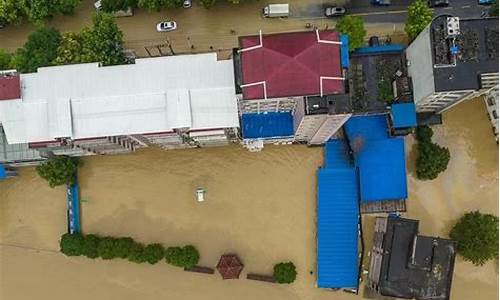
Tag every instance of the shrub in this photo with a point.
(123, 247)
(106, 248)
(424, 134)
(72, 244)
(90, 243)
(153, 253)
(476, 235)
(285, 272)
(185, 257)
(137, 253)
(58, 170)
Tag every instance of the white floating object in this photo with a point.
(200, 194)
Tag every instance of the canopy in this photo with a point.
(229, 266)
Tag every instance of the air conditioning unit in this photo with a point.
(452, 26)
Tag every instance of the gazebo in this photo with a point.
(229, 266)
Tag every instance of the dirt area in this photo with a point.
(218, 27)
(259, 205)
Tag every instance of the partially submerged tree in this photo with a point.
(285, 272)
(354, 27)
(207, 3)
(117, 5)
(419, 16)
(432, 159)
(90, 244)
(5, 60)
(58, 170)
(159, 4)
(11, 11)
(153, 253)
(476, 235)
(72, 244)
(185, 257)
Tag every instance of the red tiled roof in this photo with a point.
(10, 87)
(291, 64)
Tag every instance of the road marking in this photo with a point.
(466, 6)
(381, 13)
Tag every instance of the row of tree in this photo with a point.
(94, 246)
(14, 11)
(432, 159)
(103, 42)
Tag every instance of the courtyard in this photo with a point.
(259, 205)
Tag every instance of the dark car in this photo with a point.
(438, 3)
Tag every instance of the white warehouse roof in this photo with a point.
(152, 95)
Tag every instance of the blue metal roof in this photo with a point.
(266, 125)
(404, 115)
(3, 173)
(391, 48)
(337, 226)
(74, 225)
(379, 158)
(344, 51)
(336, 155)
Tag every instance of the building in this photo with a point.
(453, 60)
(86, 109)
(297, 74)
(491, 102)
(404, 264)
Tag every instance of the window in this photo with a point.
(495, 114)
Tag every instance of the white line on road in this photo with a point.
(381, 13)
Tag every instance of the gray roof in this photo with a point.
(478, 53)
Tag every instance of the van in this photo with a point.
(276, 11)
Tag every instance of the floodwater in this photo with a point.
(258, 205)
(198, 29)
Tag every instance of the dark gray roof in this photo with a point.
(477, 53)
(415, 266)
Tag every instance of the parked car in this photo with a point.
(98, 5)
(437, 3)
(334, 11)
(187, 3)
(166, 26)
(381, 2)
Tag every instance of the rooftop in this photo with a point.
(153, 95)
(291, 64)
(477, 45)
(9, 87)
(415, 266)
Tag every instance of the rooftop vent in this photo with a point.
(453, 26)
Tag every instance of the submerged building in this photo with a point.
(86, 109)
(453, 60)
(404, 264)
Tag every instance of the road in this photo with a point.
(217, 29)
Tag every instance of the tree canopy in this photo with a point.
(494, 9)
(5, 60)
(117, 5)
(285, 272)
(354, 27)
(419, 16)
(159, 4)
(476, 235)
(185, 257)
(432, 159)
(14, 11)
(58, 170)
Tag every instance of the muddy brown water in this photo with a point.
(259, 205)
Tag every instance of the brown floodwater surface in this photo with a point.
(258, 205)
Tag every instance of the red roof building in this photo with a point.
(10, 87)
(291, 64)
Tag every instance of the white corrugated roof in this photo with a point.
(152, 95)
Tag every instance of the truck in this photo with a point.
(276, 11)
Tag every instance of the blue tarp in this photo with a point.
(3, 173)
(344, 51)
(337, 228)
(379, 158)
(404, 115)
(74, 225)
(267, 125)
(391, 48)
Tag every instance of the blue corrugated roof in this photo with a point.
(336, 155)
(344, 51)
(266, 125)
(3, 174)
(337, 226)
(74, 225)
(391, 48)
(404, 115)
(380, 158)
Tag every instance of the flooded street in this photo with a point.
(259, 205)
(217, 27)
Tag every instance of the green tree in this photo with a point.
(90, 244)
(419, 16)
(159, 4)
(153, 253)
(12, 11)
(70, 50)
(385, 93)
(494, 9)
(71, 244)
(67, 7)
(285, 272)
(107, 248)
(5, 60)
(208, 3)
(116, 5)
(185, 257)
(58, 170)
(424, 134)
(137, 253)
(123, 247)
(432, 159)
(103, 42)
(40, 50)
(39, 10)
(476, 235)
(354, 27)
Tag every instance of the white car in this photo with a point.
(166, 26)
(187, 3)
(334, 11)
